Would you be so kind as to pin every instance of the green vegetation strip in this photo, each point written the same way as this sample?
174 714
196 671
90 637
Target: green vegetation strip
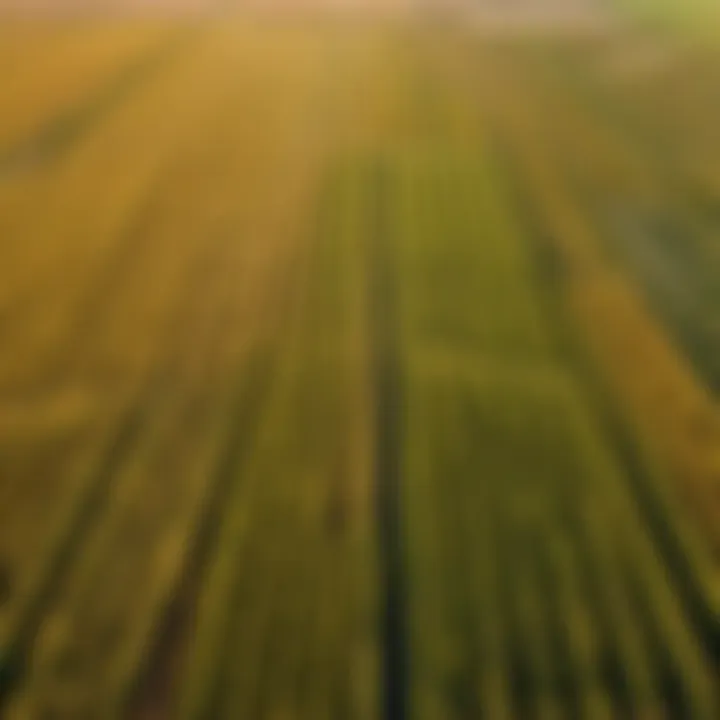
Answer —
584 620
478 639
675 615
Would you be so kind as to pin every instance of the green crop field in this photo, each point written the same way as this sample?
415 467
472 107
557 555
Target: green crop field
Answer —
699 18
358 371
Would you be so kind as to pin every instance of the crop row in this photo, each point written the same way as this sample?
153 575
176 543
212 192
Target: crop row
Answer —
286 619
664 235
534 580
656 389
159 311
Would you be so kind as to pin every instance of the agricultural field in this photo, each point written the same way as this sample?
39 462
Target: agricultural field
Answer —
358 370
699 18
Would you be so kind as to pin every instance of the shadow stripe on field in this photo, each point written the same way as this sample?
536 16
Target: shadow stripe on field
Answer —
388 403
